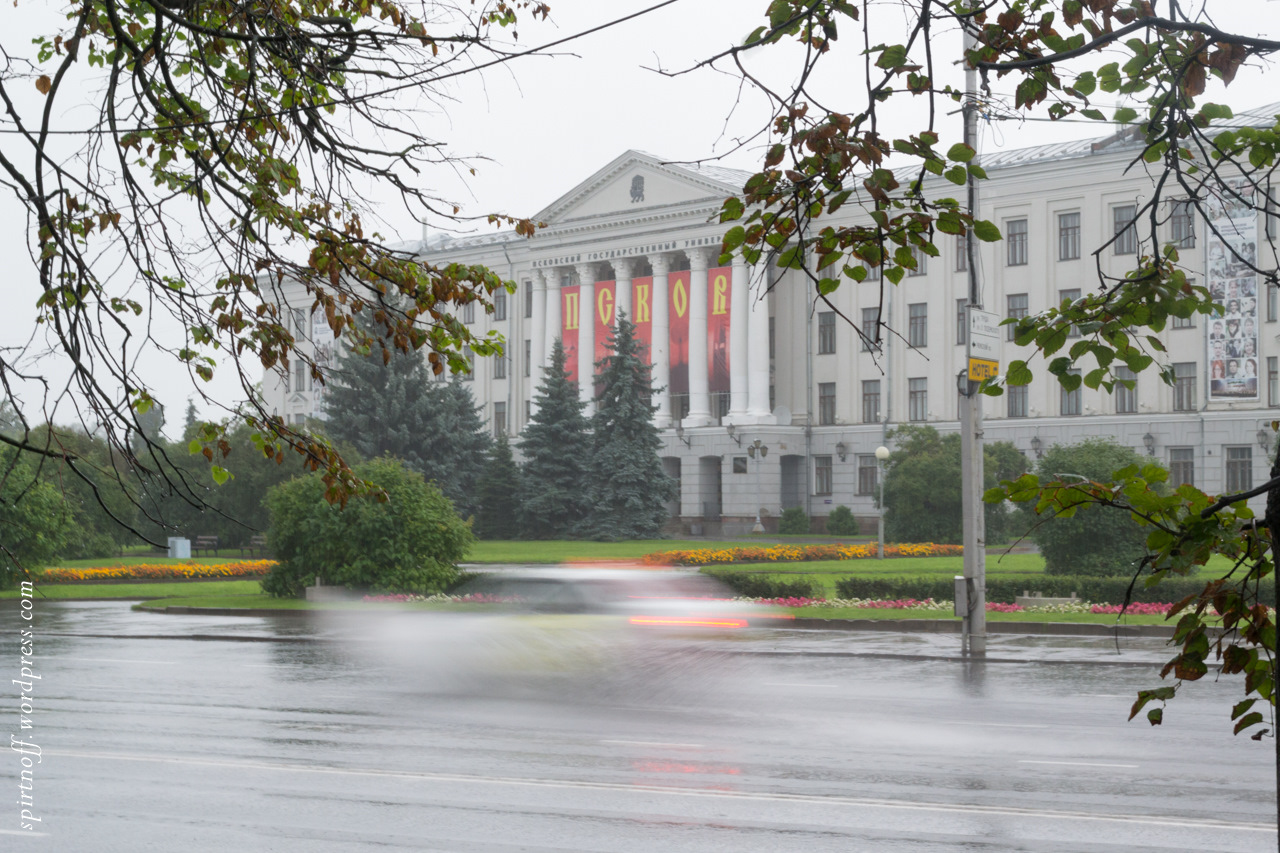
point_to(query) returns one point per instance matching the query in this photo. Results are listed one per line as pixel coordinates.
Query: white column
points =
(758, 410)
(553, 331)
(537, 337)
(587, 336)
(739, 312)
(699, 383)
(661, 341)
(622, 271)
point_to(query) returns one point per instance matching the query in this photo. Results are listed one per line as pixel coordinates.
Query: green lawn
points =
(136, 560)
(155, 589)
(945, 615)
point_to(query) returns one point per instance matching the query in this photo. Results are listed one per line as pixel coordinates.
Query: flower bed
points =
(796, 554)
(160, 571)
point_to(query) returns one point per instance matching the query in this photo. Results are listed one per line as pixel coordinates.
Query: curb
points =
(899, 626)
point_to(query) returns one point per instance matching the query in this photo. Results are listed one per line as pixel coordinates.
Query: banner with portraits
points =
(323, 343)
(1233, 333)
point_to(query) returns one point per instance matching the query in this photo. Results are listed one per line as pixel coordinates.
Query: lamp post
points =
(882, 454)
(758, 450)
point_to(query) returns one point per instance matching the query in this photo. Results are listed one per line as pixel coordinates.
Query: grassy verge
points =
(159, 589)
(559, 551)
(945, 616)
(104, 562)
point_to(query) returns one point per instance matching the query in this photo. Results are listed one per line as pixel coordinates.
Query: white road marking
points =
(654, 743)
(856, 802)
(1079, 763)
(116, 660)
(20, 832)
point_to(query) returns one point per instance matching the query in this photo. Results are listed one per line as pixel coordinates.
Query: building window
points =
(1017, 395)
(1070, 296)
(1016, 309)
(773, 349)
(500, 304)
(1015, 242)
(1273, 381)
(299, 374)
(470, 359)
(679, 406)
(962, 253)
(917, 399)
(469, 312)
(1271, 212)
(528, 299)
(873, 273)
(1239, 469)
(826, 332)
(1068, 236)
(870, 329)
(962, 325)
(739, 464)
(499, 419)
(918, 324)
(1182, 466)
(922, 261)
(822, 475)
(826, 403)
(500, 367)
(871, 401)
(1126, 397)
(1070, 400)
(1184, 386)
(1272, 312)
(528, 357)
(867, 471)
(1183, 224)
(1125, 228)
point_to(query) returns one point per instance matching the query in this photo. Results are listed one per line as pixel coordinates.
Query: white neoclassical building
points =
(745, 354)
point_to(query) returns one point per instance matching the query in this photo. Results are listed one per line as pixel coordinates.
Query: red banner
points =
(604, 311)
(678, 316)
(569, 329)
(642, 315)
(719, 291)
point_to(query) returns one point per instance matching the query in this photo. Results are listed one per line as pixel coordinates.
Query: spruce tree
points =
(498, 514)
(400, 409)
(555, 443)
(628, 487)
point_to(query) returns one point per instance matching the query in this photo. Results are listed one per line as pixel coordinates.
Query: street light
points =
(882, 455)
(1149, 442)
(688, 442)
(758, 450)
(732, 430)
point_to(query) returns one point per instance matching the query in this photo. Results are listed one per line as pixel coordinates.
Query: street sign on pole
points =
(983, 345)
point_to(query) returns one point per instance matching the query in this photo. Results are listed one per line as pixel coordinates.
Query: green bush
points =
(1096, 540)
(793, 521)
(754, 585)
(922, 494)
(841, 522)
(410, 542)
(1098, 590)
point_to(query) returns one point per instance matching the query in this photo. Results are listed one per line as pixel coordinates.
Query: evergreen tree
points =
(396, 407)
(628, 487)
(498, 516)
(555, 444)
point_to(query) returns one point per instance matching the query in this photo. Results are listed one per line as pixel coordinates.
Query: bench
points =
(256, 546)
(208, 544)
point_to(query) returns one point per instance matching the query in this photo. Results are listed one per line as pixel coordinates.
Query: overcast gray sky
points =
(547, 123)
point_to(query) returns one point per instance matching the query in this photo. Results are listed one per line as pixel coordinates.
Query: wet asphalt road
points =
(287, 734)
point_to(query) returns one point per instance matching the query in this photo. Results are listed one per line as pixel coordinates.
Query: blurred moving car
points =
(611, 628)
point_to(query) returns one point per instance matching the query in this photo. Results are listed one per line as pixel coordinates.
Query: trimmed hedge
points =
(1097, 590)
(756, 585)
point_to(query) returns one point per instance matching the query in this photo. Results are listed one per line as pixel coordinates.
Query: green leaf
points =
(220, 474)
(986, 231)
(194, 447)
(961, 153)
(957, 175)
(1124, 115)
(1155, 716)
(1019, 373)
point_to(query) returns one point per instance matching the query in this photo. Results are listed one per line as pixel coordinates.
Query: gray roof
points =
(1127, 137)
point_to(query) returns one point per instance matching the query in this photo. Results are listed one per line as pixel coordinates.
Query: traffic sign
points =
(981, 368)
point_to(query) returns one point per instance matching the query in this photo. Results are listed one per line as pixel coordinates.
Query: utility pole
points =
(974, 627)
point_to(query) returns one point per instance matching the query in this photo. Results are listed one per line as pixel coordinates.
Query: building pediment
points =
(636, 183)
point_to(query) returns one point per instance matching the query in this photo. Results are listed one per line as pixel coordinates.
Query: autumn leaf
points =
(44, 84)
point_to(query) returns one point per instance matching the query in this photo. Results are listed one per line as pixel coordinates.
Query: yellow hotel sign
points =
(981, 368)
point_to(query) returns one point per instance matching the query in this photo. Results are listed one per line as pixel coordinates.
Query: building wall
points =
(596, 224)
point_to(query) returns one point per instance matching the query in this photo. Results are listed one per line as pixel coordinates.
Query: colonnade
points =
(748, 333)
